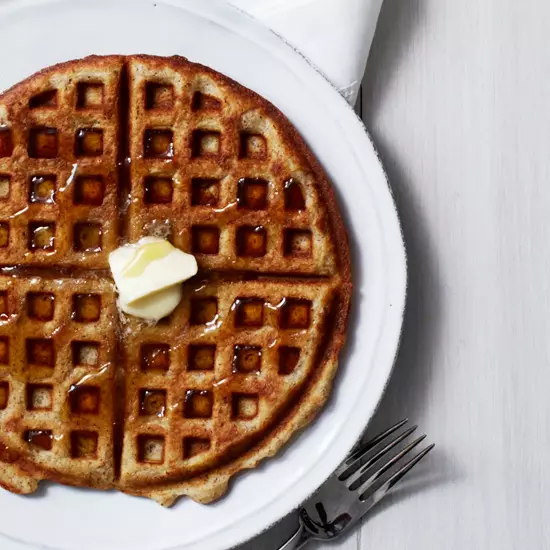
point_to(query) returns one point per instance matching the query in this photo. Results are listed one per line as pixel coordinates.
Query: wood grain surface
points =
(457, 98)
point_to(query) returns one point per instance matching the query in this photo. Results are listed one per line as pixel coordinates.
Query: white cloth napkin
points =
(335, 35)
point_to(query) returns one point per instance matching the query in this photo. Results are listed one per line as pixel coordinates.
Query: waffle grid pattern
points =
(221, 380)
(84, 387)
(57, 369)
(240, 199)
(58, 172)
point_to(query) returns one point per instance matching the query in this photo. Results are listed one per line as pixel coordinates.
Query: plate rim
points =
(399, 278)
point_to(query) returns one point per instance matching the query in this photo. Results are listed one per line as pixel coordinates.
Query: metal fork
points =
(356, 487)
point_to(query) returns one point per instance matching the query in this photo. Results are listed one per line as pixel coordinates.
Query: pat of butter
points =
(154, 306)
(149, 266)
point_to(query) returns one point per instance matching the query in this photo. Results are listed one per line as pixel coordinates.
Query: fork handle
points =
(299, 539)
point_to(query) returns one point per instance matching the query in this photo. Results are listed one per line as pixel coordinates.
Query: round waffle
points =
(104, 150)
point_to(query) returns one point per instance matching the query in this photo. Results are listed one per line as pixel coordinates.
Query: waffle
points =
(235, 192)
(102, 151)
(58, 376)
(59, 171)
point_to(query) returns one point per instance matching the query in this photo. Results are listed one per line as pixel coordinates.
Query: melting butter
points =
(148, 275)
(154, 306)
(145, 255)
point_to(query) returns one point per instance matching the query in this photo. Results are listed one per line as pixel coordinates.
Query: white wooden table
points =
(457, 97)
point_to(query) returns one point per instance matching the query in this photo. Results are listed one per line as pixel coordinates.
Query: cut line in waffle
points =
(102, 151)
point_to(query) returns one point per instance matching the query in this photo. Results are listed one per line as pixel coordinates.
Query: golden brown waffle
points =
(57, 366)
(59, 135)
(104, 150)
(221, 168)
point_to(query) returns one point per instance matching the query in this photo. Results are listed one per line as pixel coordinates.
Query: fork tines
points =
(358, 471)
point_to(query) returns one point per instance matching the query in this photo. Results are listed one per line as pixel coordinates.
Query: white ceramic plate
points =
(38, 33)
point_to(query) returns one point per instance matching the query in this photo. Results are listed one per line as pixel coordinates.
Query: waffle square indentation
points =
(252, 193)
(47, 99)
(4, 394)
(89, 95)
(41, 235)
(84, 444)
(89, 190)
(205, 192)
(244, 406)
(42, 189)
(84, 399)
(39, 397)
(4, 234)
(152, 403)
(247, 359)
(3, 304)
(201, 357)
(43, 143)
(89, 142)
(205, 239)
(40, 352)
(205, 143)
(86, 307)
(5, 186)
(298, 243)
(40, 305)
(151, 449)
(4, 350)
(158, 143)
(155, 357)
(205, 102)
(249, 312)
(6, 143)
(252, 146)
(158, 190)
(85, 353)
(198, 404)
(294, 198)
(87, 237)
(159, 96)
(251, 241)
(288, 359)
(194, 446)
(42, 439)
(295, 314)
(203, 311)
